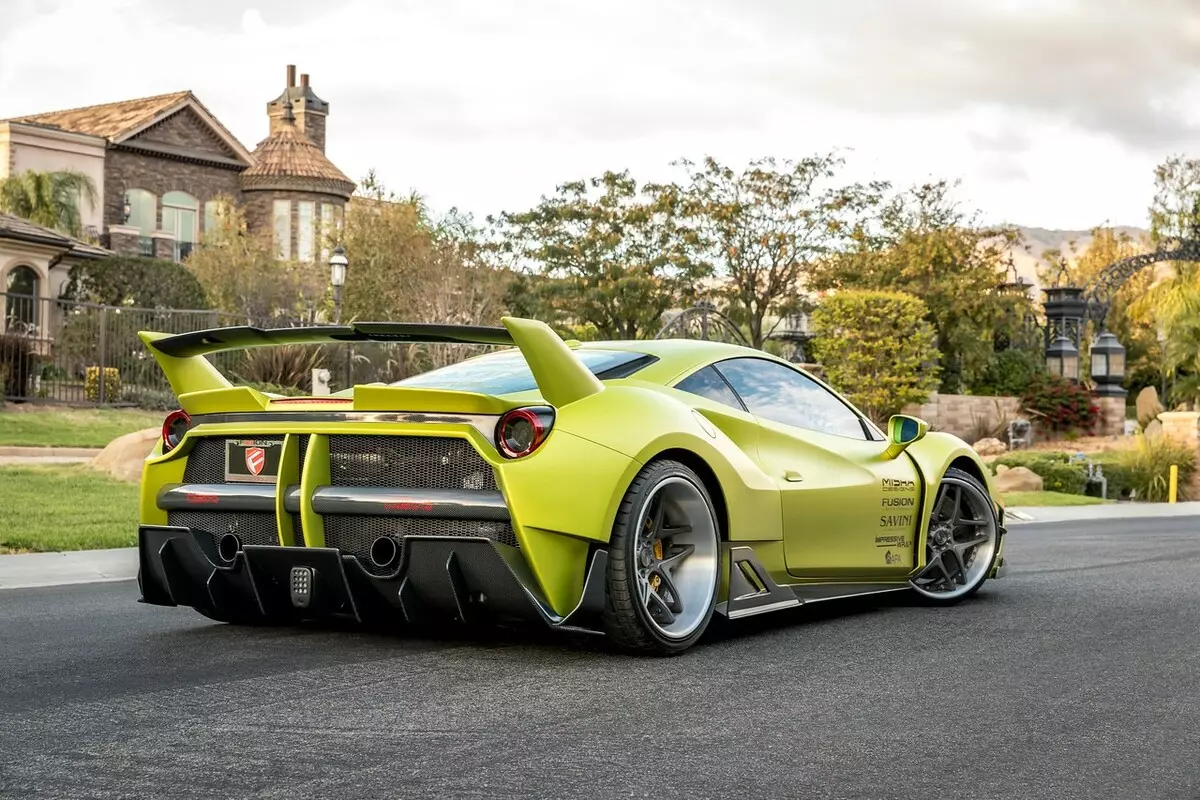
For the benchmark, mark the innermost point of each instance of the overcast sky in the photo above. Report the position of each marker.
(1053, 113)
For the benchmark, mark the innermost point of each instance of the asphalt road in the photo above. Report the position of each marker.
(1077, 675)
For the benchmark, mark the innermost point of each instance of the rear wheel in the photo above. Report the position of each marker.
(663, 561)
(962, 541)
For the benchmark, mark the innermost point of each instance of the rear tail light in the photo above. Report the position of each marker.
(174, 427)
(522, 430)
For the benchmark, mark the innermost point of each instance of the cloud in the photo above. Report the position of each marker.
(487, 105)
(1124, 68)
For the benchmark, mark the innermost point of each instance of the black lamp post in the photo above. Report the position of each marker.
(1062, 359)
(338, 264)
(127, 209)
(1108, 365)
(1065, 310)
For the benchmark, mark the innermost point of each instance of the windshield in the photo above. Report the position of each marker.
(506, 372)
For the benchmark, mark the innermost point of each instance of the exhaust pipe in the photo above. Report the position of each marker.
(384, 551)
(229, 546)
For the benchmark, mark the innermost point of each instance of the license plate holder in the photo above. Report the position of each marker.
(252, 460)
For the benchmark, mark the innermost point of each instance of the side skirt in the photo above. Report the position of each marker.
(753, 591)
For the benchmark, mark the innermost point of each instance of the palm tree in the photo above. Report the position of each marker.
(49, 199)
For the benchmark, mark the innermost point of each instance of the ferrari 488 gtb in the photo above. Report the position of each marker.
(630, 488)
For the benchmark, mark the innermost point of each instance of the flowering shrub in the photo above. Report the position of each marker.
(1061, 406)
(112, 384)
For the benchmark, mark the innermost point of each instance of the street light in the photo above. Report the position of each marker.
(1062, 359)
(1108, 365)
(337, 278)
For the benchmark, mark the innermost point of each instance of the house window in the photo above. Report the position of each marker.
(327, 224)
(20, 304)
(143, 211)
(179, 216)
(306, 235)
(283, 229)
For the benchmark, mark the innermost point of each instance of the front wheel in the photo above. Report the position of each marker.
(962, 540)
(663, 561)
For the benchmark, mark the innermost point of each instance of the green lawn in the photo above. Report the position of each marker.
(1049, 499)
(69, 507)
(72, 427)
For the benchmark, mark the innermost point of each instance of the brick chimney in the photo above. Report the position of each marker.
(310, 111)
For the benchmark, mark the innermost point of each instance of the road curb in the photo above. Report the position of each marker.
(10, 451)
(1028, 515)
(33, 570)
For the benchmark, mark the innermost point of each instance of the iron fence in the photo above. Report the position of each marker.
(61, 351)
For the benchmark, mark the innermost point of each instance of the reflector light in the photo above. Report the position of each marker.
(174, 427)
(302, 586)
(522, 430)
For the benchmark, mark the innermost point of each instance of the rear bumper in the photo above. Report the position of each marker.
(440, 579)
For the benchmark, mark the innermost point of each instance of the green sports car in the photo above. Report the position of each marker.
(628, 488)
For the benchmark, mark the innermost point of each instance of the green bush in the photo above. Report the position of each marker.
(1146, 467)
(135, 281)
(1010, 373)
(877, 348)
(1058, 472)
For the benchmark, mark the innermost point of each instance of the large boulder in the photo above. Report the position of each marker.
(1018, 479)
(1148, 406)
(123, 456)
(990, 446)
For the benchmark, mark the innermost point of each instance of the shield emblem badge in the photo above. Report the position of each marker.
(256, 459)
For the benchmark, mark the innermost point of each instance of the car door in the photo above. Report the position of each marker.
(849, 511)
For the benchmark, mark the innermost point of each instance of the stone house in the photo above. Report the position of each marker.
(162, 165)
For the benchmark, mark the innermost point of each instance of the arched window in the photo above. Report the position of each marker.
(180, 211)
(21, 300)
(143, 210)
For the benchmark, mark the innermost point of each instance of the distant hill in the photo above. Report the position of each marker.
(1028, 259)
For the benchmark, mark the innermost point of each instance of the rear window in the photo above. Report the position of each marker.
(507, 373)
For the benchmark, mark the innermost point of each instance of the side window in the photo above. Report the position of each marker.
(707, 383)
(775, 392)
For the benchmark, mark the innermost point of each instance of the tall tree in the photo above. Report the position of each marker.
(766, 227)
(50, 199)
(612, 255)
(407, 265)
(921, 243)
(242, 275)
(1175, 214)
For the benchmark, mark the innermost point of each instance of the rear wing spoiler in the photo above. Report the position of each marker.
(561, 377)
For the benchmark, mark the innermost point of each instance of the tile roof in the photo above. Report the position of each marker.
(14, 227)
(288, 153)
(108, 120)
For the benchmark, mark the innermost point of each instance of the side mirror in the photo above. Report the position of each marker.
(903, 431)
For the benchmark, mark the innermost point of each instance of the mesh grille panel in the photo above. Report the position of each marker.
(354, 534)
(206, 461)
(252, 527)
(408, 462)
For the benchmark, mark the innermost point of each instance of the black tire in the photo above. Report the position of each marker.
(960, 476)
(626, 619)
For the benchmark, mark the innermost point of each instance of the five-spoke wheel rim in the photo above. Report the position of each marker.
(961, 541)
(675, 557)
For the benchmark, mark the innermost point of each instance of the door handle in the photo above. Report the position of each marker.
(792, 476)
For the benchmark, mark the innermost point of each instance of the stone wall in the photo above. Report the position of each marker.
(970, 417)
(124, 169)
(260, 213)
